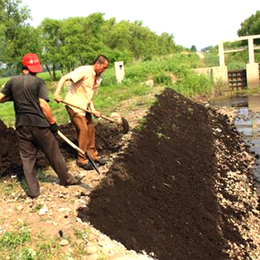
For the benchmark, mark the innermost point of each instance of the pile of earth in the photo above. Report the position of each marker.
(10, 162)
(108, 138)
(160, 195)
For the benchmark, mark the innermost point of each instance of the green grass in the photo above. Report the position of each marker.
(7, 114)
(37, 207)
(9, 188)
(22, 244)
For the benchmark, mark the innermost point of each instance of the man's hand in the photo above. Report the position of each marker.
(96, 113)
(54, 128)
(57, 97)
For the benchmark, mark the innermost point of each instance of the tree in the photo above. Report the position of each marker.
(14, 32)
(135, 39)
(193, 48)
(52, 41)
(166, 44)
(82, 40)
(251, 26)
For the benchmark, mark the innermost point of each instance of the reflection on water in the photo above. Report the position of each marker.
(247, 120)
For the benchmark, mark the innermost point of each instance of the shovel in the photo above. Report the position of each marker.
(79, 150)
(122, 122)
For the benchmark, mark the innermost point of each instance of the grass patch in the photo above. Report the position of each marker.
(11, 240)
(10, 187)
(37, 207)
(23, 245)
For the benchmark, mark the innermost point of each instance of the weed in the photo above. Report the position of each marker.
(26, 254)
(11, 240)
(84, 235)
(10, 187)
(22, 245)
(160, 135)
(141, 124)
(37, 207)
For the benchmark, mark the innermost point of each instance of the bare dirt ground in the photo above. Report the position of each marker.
(179, 187)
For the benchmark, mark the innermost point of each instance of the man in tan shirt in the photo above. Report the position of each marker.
(85, 81)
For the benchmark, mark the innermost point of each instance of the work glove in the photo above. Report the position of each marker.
(54, 128)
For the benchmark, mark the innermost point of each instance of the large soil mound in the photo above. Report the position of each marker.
(160, 195)
(10, 162)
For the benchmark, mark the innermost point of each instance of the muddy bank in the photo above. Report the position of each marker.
(183, 189)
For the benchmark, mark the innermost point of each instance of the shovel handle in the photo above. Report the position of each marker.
(70, 143)
(78, 149)
(88, 111)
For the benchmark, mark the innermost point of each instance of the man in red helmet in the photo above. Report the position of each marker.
(34, 123)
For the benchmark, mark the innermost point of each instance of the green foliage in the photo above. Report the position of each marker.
(11, 240)
(7, 113)
(193, 48)
(69, 43)
(191, 84)
(141, 124)
(82, 234)
(211, 58)
(162, 78)
(10, 188)
(22, 245)
(37, 207)
(251, 26)
(136, 40)
(16, 36)
(236, 60)
(26, 254)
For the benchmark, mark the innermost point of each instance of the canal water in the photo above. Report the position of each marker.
(247, 121)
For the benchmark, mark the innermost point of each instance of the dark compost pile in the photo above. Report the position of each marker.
(160, 195)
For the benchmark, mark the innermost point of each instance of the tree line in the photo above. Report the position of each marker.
(68, 43)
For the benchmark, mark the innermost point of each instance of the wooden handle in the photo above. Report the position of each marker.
(86, 110)
(70, 143)
(79, 150)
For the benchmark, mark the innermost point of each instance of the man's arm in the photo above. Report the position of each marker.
(46, 111)
(62, 81)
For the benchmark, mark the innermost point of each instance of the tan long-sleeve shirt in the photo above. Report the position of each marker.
(83, 87)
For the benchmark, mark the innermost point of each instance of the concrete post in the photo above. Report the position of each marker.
(221, 54)
(120, 71)
(251, 50)
(252, 75)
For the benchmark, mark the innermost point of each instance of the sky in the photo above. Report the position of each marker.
(201, 23)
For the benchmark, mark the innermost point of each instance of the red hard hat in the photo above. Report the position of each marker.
(31, 61)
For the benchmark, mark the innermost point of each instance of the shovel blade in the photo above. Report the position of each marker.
(92, 162)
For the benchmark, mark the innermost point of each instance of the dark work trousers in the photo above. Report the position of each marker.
(30, 138)
(86, 135)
